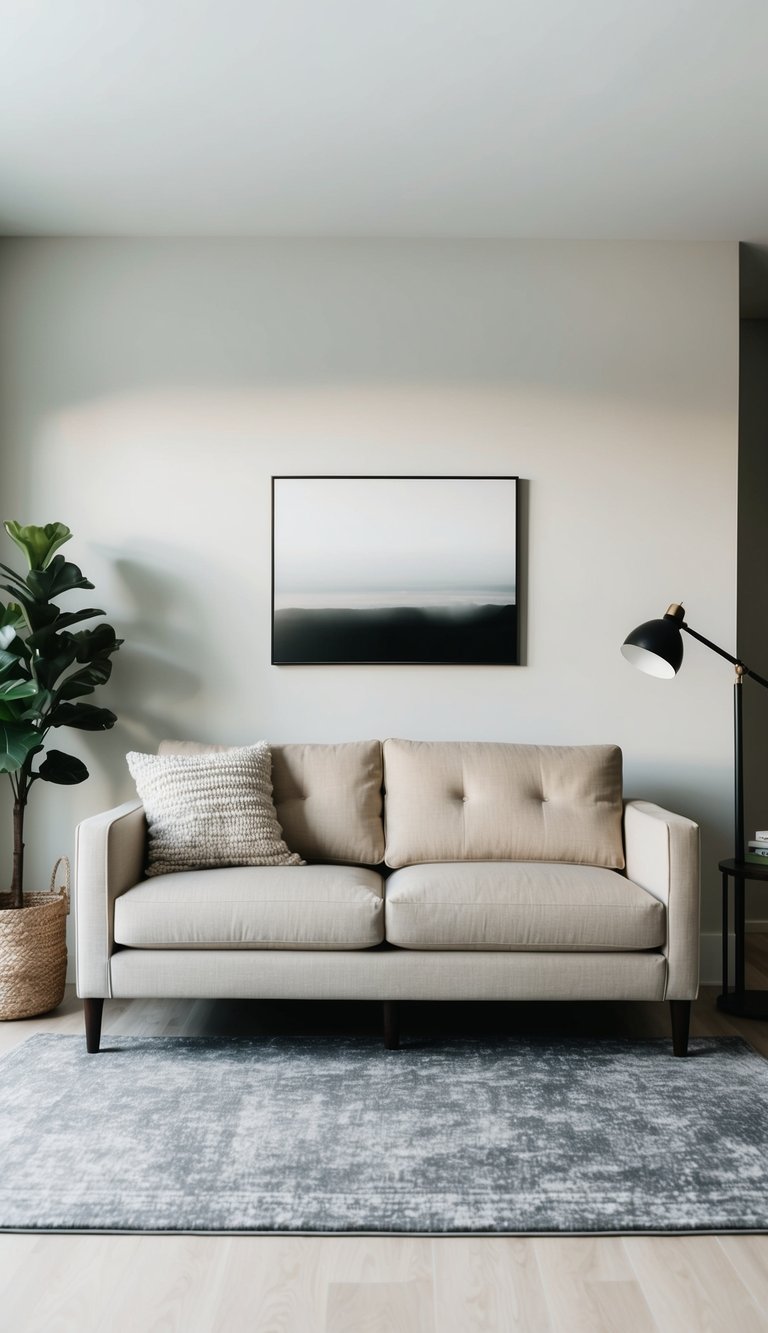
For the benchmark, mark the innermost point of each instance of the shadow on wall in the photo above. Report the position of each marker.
(148, 669)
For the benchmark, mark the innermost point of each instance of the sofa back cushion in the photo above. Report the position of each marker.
(327, 797)
(485, 801)
(329, 800)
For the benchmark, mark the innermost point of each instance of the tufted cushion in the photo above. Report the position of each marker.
(327, 797)
(485, 801)
(206, 810)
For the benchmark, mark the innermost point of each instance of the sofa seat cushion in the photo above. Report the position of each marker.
(254, 907)
(519, 905)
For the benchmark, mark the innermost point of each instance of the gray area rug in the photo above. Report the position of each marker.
(339, 1135)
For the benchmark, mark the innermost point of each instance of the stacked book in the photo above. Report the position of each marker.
(757, 848)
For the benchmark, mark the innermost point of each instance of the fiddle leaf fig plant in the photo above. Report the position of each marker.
(44, 668)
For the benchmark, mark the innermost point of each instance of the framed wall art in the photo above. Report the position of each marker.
(394, 570)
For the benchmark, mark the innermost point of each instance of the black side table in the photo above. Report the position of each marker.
(743, 1003)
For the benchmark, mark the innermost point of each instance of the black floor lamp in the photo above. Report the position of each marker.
(656, 647)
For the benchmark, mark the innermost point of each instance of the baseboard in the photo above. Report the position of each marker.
(712, 952)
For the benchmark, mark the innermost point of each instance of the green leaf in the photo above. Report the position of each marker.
(36, 713)
(12, 690)
(41, 637)
(62, 768)
(84, 716)
(13, 666)
(10, 668)
(59, 654)
(38, 544)
(11, 616)
(38, 613)
(17, 689)
(16, 651)
(21, 592)
(17, 742)
(98, 642)
(11, 573)
(38, 649)
(86, 679)
(60, 577)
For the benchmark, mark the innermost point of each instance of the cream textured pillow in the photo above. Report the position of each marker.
(207, 810)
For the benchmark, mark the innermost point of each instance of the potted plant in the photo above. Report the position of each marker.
(45, 667)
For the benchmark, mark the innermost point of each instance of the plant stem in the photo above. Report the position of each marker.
(21, 795)
(17, 885)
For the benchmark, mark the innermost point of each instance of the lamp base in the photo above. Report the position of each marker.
(744, 1004)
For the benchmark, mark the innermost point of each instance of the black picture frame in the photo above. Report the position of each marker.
(395, 570)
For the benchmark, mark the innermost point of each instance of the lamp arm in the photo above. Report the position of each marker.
(736, 661)
(753, 675)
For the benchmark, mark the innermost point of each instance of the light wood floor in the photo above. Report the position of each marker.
(138, 1284)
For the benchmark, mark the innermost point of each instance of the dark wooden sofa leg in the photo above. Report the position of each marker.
(681, 1022)
(391, 1025)
(93, 1012)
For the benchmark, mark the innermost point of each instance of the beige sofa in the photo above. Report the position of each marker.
(435, 871)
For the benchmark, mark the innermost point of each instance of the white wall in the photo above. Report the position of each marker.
(150, 389)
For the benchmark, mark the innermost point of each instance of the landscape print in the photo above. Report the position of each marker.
(394, 570)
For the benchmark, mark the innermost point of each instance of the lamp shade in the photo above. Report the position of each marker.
(656, 647)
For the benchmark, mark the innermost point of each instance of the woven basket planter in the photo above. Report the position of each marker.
(33, 950)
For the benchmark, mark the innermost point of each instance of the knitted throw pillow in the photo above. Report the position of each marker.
(207, 810)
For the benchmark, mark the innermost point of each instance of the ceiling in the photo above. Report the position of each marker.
(436, 118)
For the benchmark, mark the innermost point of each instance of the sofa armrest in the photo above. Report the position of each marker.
(109, 858)
(662, 856)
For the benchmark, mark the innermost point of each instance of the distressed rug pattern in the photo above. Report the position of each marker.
(339, 1135)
